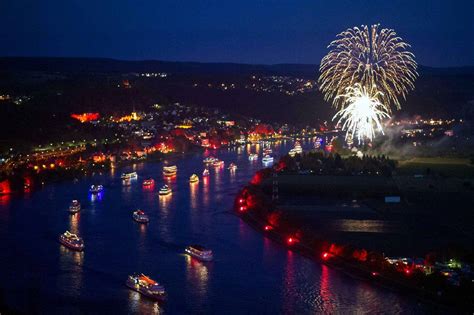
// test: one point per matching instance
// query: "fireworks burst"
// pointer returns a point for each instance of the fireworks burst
(361, 112)
(372, 57)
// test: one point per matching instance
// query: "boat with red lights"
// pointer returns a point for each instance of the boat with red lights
(75, 206)
(199, 252)
(148, 182)
(140, 216)
(146, 286)
(71, 241)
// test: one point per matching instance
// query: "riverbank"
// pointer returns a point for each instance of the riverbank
(256, 209)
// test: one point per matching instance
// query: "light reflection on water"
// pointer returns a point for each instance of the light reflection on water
(250, 273)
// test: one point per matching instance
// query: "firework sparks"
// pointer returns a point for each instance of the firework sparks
(362, 112)
(372, 57)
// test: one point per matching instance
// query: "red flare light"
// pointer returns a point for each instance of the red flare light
(325, 255)
(241, 200)
(268, 227)
(243, 208)
(292, 240)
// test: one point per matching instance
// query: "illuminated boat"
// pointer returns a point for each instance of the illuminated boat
(95, 189)
(130, 175)
(218, 163)
(194, 178)
(75, 206)
(164, 191)
(232, 167)
(292, 153)
(127, 182)
(170, 171)
(140, 216)
(209, 160)
(205, 172)
(297, 148)
(199, 252)
(253, 157)
(148, 182)
(267, 159)
(267, 151)
(71, 241)
(146, 286)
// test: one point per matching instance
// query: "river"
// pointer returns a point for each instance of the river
(250, 273)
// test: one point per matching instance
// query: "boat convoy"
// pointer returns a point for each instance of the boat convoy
(140, 282)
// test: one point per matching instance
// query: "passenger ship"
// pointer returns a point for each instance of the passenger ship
(194, 178)
(253, 157)
(148, 182)
(95, 189)
(71, 241)
(131, 175)
(164, 191)
(75, 206)
(169, 171)
(199, 252)
(140, 216)
(267, 159)
(146, 286)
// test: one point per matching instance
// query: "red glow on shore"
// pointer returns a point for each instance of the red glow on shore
(268, 228)
(86, 117)
(292, 240)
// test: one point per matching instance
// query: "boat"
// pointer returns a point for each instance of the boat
(71, 241)
(127, 182)
(267, 151)
(292, 153)
(146, 286)
(218, 163)
(194, 178)
(297, 148)
(253, 157)
(170, 171)
(130, 175)
(199, 252)
(148, 182)
(232, 167)
(205, 172)
(267, 159)
(164, 191)
(95, 189)
(75, 206)
(140, 216)
(209, 160)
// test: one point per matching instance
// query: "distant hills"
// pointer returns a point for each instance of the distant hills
(87, 83)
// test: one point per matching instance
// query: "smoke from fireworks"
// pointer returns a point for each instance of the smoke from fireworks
(361, 112)
(372, 57)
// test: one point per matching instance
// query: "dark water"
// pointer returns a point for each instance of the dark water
(250, 274)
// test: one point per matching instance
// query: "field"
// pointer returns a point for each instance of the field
(449, 167)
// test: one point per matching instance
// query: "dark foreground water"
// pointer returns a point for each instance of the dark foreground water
(250, 274)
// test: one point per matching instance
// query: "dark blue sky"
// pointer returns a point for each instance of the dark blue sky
(441, 32)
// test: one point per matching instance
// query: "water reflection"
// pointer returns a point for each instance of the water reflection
(72, 262)
(205, 191)
(325, 292)
(142, 305)
(194, 189)
(197, 274)
(74, 223)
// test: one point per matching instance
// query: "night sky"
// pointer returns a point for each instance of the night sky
(441, 32)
